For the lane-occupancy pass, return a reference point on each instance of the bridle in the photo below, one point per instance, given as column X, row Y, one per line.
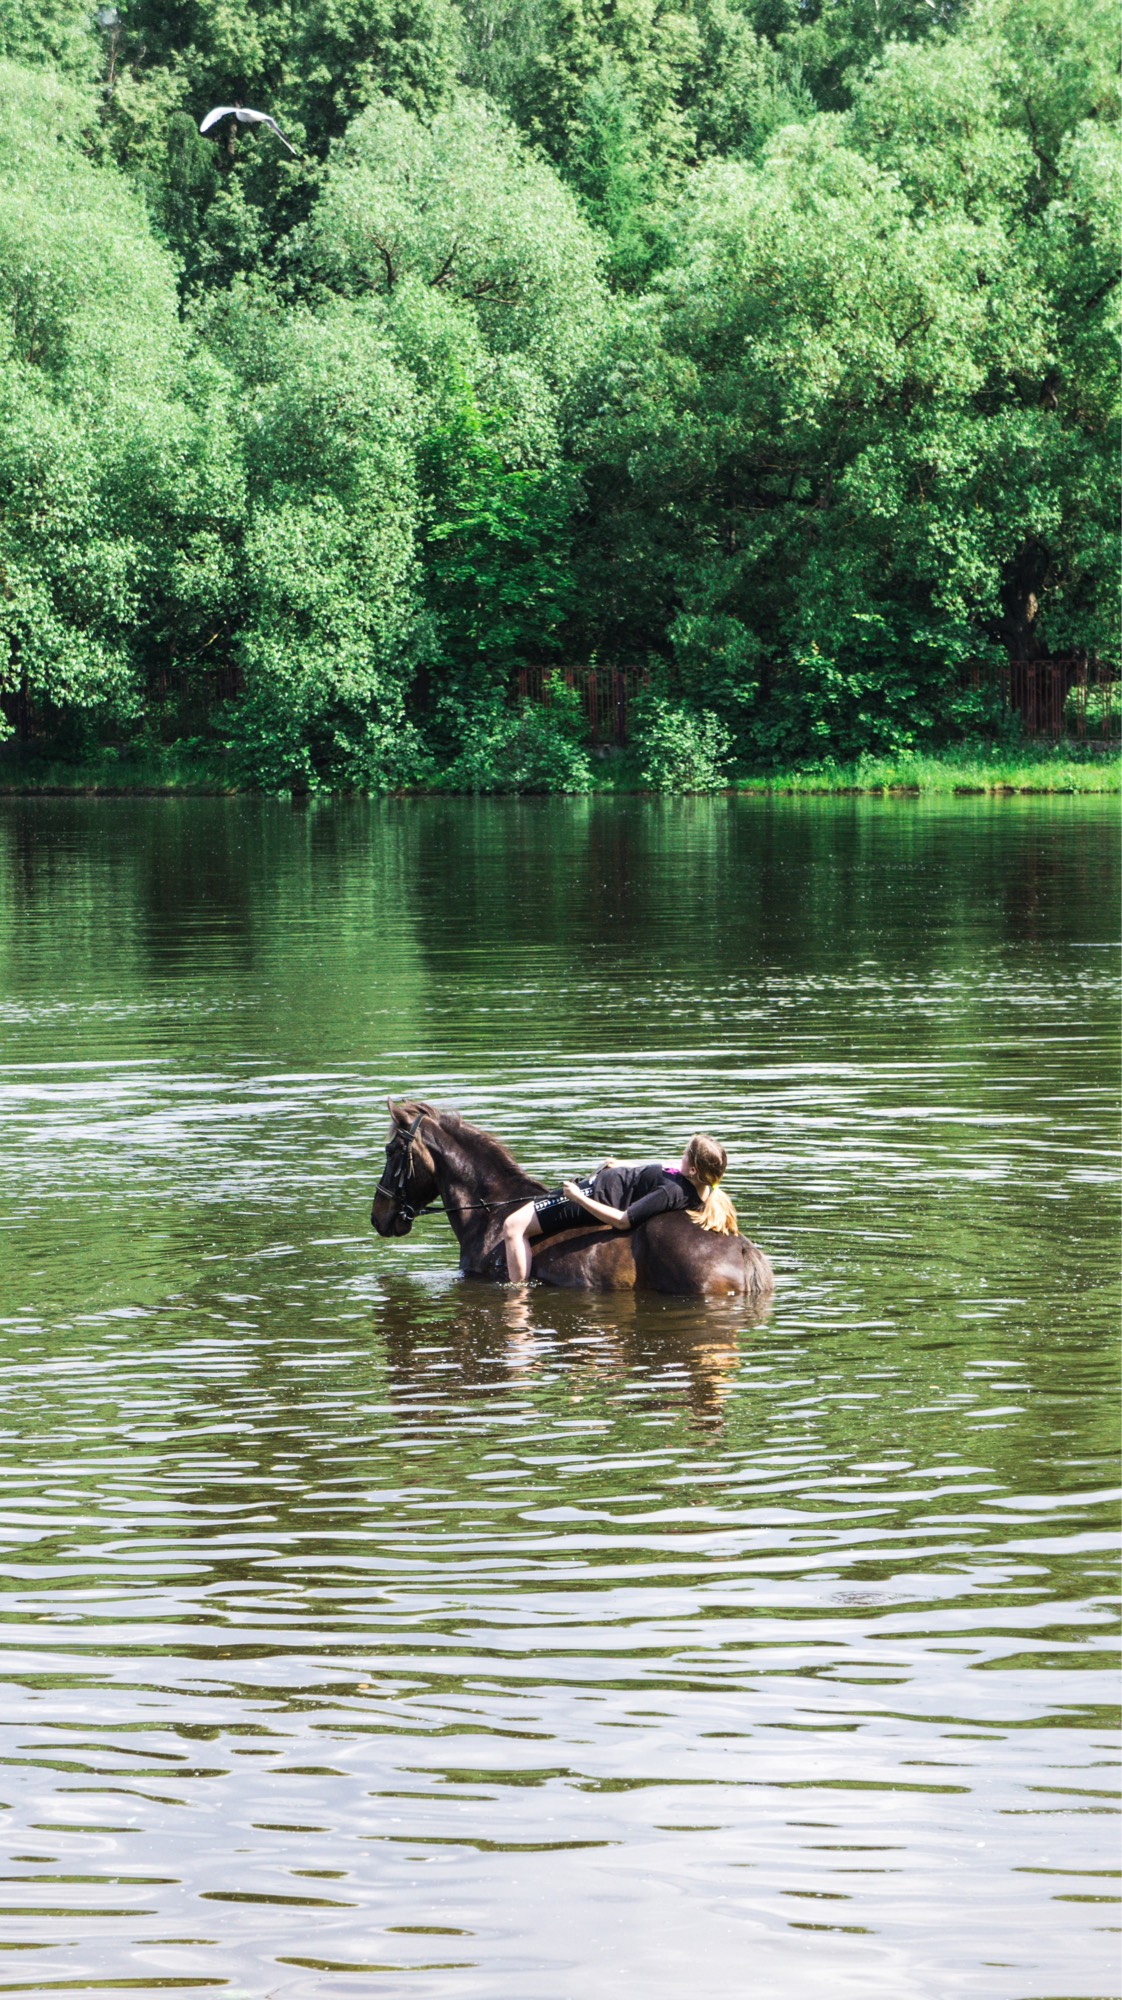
column 399, row 1172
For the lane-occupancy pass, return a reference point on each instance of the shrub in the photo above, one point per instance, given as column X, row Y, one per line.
column 537, row 747
column 680, row 749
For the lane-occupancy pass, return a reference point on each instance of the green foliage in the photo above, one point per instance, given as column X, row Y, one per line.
column 326, row 633
column 970, row 767
column 458, row 204
column 772, row 344
column 229, row 201
column 680, row 749
column 855, row 438
column 499, row 578
column 317, row 64
column 533, row 747
column 1097, row 709
column 55, row 32
column 832, row 41
column 90, row 349
column 625, row 98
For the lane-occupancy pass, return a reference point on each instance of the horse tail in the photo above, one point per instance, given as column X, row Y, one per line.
column 759, row 1278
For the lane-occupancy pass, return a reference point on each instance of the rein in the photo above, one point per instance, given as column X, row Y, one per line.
column 399, row 1172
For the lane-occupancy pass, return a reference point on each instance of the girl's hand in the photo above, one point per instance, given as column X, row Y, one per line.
column 616, row 1218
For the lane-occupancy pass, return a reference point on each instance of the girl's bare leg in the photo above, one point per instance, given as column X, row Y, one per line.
column 519, row 1230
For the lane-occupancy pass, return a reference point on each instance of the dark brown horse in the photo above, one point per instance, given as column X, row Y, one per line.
column 435, row 1157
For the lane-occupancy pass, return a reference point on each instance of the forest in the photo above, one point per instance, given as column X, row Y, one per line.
column 764, row 348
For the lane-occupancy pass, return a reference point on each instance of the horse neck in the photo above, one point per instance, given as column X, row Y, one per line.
column 473, row 1181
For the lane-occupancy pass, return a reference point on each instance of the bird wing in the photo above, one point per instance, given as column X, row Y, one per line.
column 274, row 127
column 246, row 116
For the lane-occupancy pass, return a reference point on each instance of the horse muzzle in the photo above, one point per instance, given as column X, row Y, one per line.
column 390, row 1220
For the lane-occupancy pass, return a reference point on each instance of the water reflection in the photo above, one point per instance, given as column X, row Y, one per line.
column 679, row 1355
column 365, row 1627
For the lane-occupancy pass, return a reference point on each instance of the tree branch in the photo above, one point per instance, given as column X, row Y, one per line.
column 918, row 326
column 1097, row 298
column 447, row 264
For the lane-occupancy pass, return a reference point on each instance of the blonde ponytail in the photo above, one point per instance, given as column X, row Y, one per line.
column 716, row 1213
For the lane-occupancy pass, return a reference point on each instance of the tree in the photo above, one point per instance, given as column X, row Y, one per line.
column 626, row 98
column 458, row 203
column 855, row 420
column 326, row 634
column 228, row 203
column 498, row 559
column 92, row 354
column 770, row 341
column 54, row 32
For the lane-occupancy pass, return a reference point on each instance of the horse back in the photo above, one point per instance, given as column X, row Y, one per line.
column 667, row 1254
column 590, row 1260
column 672, row 1254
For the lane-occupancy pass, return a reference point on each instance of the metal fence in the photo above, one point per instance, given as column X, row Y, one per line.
column 1077, row 698
column 607, row 695
column 1074, row 698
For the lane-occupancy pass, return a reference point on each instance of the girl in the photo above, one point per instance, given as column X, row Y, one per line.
column 621, row 1197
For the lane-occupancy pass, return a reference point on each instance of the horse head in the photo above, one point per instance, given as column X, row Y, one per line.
column 408, row 1182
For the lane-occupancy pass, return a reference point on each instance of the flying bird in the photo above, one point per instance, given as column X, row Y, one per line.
column 245, row 117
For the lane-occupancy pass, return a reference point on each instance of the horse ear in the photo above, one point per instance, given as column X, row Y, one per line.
column 395, row 1111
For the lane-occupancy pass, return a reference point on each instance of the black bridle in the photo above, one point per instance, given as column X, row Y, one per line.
column 399, row 1172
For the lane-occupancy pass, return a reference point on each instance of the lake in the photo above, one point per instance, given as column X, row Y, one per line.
column 367, row 1631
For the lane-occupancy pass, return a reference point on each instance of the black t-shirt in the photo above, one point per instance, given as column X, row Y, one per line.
column 644, row 1191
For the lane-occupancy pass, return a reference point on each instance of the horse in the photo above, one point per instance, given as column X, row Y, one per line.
column 436, row 1159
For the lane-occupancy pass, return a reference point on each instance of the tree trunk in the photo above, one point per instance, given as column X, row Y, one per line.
column 1020, row 600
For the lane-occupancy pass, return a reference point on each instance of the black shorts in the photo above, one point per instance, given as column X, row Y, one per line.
column 556, row 1212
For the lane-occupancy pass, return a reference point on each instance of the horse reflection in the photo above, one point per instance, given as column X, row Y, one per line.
column 679, row 1355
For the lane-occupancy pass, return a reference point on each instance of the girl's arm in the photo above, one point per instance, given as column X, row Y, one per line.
column 616, row 1217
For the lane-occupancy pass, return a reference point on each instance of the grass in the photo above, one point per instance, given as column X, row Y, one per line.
column 172, row 767
column 979, row 768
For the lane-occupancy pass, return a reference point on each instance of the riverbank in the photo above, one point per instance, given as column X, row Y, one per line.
column 979, row 770
column 974, row 770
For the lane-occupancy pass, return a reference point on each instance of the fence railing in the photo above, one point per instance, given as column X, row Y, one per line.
column 1074, row 697
column 1077, row 697
column 607, row 695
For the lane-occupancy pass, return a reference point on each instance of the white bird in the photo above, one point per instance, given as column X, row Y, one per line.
column 245, row 117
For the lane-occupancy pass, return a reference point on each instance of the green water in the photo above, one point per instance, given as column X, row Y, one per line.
column 364, row 1632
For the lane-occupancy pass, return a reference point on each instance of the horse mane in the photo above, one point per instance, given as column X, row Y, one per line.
column 451, row 1122
column 501, row 1155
